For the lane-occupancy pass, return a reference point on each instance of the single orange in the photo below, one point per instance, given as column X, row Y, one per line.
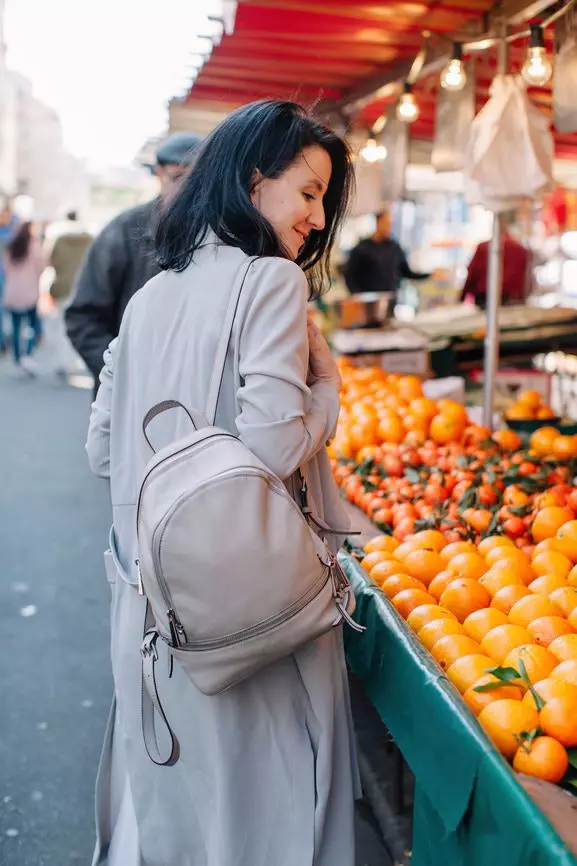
column 548, row 521
column 372, row 559
column 515, row 562
column 546, row 547
column 456, row 547
column 547, row 583
column 453, row 409
column 482, row 621
column 545, row 629
column 450, row 648
column 566, row 671
column 476, row 701
column 505, row 598
column 439, row 583
column 508, row 440
column 424, row 565
column 384, row 569
column 529, row 399
column 426, row 613
column 564, row 648
column 572, row 577
column 564, row 447
column 423, row 408
column 566, row 538
column 438, row 628
column 469, row 565
column 386, row 543
column 565, row 599
column 532, row 607
column 505, row 720
column 408, row 599
column 538, row 661
column 500, row 641
column 541, row 441
column 445, row 429
column 558, row 719
column 395, row 583
column 495, row 579
column 544, row 757
column 504, row 551
column 551, row 562
column 550, row 688
column 468, row 669
column 463, row 596
column 430, row 539
column 492, row 541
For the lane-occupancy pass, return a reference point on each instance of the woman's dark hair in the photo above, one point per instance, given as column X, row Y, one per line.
column 266, row 136
column 17, row 248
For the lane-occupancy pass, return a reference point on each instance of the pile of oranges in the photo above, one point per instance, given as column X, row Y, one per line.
column 412, row 463
column 528, row 406
column 502, row 624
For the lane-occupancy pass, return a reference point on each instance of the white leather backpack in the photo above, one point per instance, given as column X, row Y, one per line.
column 234, row 573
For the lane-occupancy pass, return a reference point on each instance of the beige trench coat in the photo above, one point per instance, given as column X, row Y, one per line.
column 267, row 774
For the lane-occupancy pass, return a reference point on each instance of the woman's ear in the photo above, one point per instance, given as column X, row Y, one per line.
column 254, row 182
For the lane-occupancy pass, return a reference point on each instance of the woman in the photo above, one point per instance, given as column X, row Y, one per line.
column 23, row 265
column 267, row 771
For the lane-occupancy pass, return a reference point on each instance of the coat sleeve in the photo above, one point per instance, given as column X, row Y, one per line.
column 98, row 439
column 92, row 312
column 282, row 420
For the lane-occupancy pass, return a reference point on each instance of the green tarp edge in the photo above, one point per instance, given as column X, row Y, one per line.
column 469, row 808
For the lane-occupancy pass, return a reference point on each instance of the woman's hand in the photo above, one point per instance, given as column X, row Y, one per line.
column 322, row 367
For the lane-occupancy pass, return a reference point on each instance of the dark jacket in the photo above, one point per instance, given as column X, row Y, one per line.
column 119, row 262
column 378, row 266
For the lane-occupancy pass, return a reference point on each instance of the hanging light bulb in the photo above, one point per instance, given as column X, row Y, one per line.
column 373, row 152
column 537, row 69
column 407, row 108
column 453, row 76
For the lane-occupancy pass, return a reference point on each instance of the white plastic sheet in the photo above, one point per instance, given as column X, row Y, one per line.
column 455, row 114
column 510, row 152
column 565, row 86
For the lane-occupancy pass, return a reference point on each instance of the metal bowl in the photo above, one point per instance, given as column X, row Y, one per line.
column 366, row 310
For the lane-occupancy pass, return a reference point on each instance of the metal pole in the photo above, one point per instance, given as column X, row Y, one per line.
column 494, row 285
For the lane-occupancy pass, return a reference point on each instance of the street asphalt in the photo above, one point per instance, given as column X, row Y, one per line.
column 54, row 629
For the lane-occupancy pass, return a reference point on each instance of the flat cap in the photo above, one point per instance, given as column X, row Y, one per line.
column 177, row 149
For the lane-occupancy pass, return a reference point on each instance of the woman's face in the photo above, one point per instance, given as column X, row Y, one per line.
column 293, row 202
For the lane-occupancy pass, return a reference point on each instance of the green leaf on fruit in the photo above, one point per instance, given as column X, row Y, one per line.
column 412, row 475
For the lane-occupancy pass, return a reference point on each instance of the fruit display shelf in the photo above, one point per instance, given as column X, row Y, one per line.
column 470, row 809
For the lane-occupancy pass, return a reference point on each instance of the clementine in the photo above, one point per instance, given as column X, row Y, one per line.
column 436, row 629
column 482, row 621
column 505, row 720
column 538, row 661
column 468, row 669
column 426, row 613
column 548, row 521
column 408, row 599
column 532, row 607
column 505, row 598
column 558, row 719
column 463, row 596
column 500, row 641
column 545, row 629
column 564, row 648
column 476, row 701
column 450, row 648
column 544, row 757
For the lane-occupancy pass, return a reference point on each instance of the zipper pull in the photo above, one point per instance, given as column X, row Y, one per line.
column 139, row 575
column 350, row 621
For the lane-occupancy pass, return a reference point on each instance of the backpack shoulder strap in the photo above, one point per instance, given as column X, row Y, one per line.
column 222, row 347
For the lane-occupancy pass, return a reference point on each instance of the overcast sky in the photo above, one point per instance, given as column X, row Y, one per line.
column 108, row 67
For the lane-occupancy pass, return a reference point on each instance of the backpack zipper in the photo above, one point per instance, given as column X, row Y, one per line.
column 265, row 625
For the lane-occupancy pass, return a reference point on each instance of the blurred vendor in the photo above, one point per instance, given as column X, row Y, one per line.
column 378, row 263
column 516, row 271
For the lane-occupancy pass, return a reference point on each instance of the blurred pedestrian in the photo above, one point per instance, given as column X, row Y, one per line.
column 379, row 263
column 267, row 772
column 66, row 244
column 24, row 263
column 121, row 260
column 8, row 224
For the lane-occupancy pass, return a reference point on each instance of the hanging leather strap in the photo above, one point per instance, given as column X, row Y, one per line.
column 197, row 420
column 223, row 344
column 152, row 709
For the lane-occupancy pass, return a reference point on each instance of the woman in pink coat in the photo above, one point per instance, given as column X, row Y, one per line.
column 23, row 265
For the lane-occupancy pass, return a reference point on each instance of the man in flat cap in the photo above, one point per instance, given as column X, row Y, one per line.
column 121, row 260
